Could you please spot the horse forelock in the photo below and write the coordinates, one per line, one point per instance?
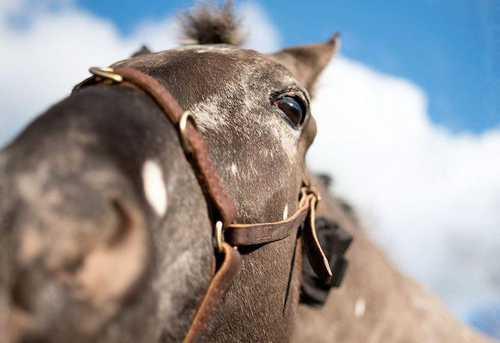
(209, 24)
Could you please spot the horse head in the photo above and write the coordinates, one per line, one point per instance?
(106, 232)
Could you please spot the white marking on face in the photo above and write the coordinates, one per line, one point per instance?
(286, 136)
(205, 49)
(360, 308)
(285, 212)
(234, 169)
(154, 187)
(207, 115)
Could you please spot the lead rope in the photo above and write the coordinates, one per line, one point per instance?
(227, 235)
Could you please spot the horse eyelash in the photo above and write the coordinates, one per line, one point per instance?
(292, 91)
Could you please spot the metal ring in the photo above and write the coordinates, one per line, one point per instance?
(219, 237)
(182, 128)
(106, 73)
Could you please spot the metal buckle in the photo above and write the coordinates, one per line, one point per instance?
(312, 190)
(219, 237)
(306, 191)
(182, 128)
(106, 73)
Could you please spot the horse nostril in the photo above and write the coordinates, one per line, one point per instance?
(115, 265)
(73, 265)
(18, 294)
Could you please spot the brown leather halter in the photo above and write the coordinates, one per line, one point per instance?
(228, 235)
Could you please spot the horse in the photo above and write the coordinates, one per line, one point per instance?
(108, 232)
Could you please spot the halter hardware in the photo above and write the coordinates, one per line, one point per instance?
(106, 73)
(219, 237)
(182, 129)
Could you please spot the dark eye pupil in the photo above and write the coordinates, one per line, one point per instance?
(293, 109)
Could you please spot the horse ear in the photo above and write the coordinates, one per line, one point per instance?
(335, 242)
(144, 50)
(307, 62)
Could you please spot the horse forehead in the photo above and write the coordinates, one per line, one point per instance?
(224, 53)
(209, 64)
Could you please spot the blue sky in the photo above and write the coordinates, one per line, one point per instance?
(446, 47)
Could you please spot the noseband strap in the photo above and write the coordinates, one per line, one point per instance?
(229, 235)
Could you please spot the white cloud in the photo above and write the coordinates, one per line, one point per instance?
(260, 33)
(430, 197)
(41, 63)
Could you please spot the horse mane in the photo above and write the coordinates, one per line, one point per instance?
(211, 24)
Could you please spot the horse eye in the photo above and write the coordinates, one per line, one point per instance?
(294, 109)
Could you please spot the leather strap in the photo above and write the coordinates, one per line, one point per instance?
(231, 261)
(254, 234)
(317, 258)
